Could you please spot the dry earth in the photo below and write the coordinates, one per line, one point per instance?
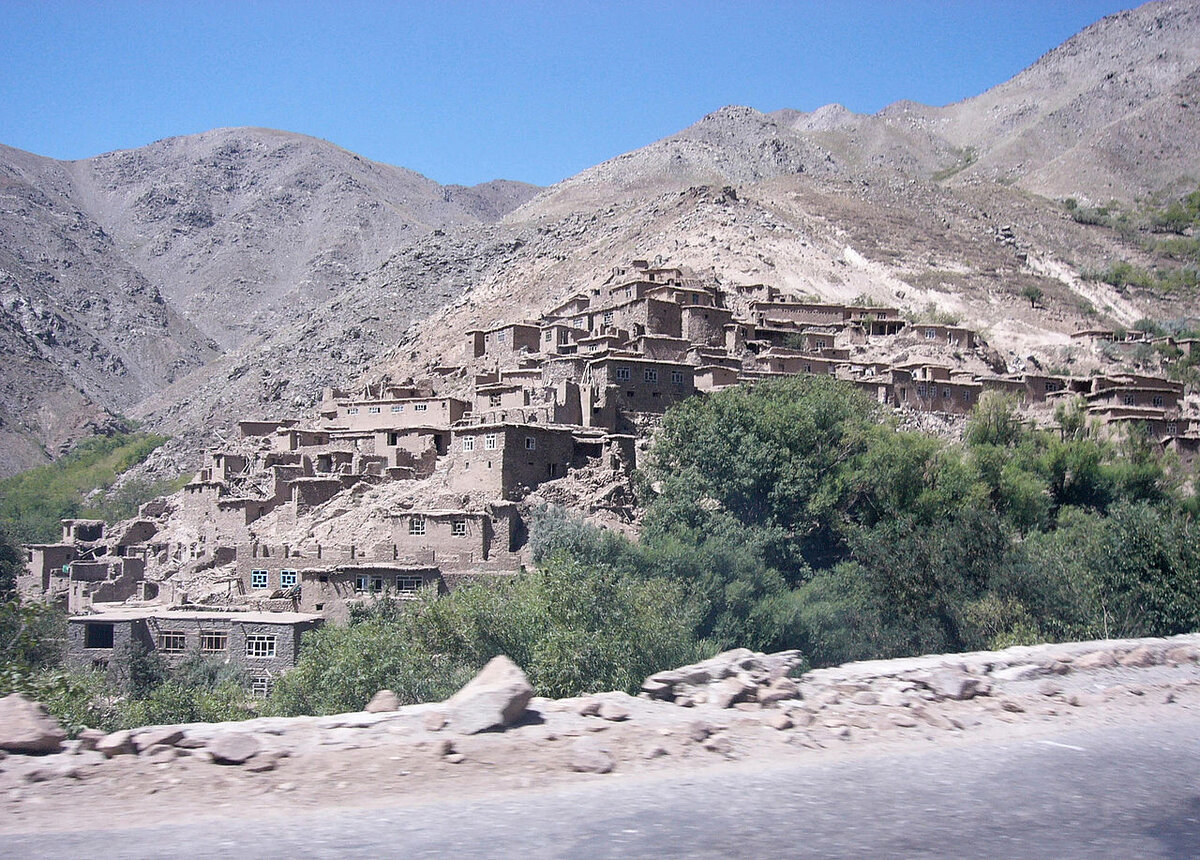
(409, 757)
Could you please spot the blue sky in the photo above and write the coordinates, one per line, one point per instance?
(471, 91)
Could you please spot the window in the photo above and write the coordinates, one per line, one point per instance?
(651, 375)
(489, 441)
(260, 686)
(608, 317)
(820, 343)
(946, 393)
(1128, 399)
(930, 334)
(396, 407)
(373, 410)
(259, 578)
(921, 390)
(530, 443)
(97, 636)
(353, 410)
(808, 368)
(287, 578)
(408, 584)
(260, 647)
(172, 642)
(677, 377)
(494, 400)
(549, 336)
(416, 525)
(468, 443)
(213, 641)
(458, 528)
(421, 407)
(1158, 400)
(966, 397)
(622, 373)
(1172, 429)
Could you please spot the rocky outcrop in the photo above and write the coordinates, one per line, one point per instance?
(740, 675)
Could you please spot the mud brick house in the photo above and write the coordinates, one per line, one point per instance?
(265, 644)
(507, 459)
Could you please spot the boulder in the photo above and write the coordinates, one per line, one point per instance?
(384, 700)
(1019, 672)
(725, 693)
(494, 698)
(957, 685)
(233, 747)
(779, 690)
(1095, 660)
(613, 712)
(157, 736)
(588, 757)
(117, 743)
(26, 726)
(1140, 658)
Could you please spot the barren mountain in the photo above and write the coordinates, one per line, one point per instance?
(310, 266)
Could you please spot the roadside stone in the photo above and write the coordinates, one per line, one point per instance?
(495, 698)
(892, 697)
(613, 712)
(588, 707)
(117, 743)
(698, 730)
(865, 697)
(1049, 688)
(588, 757)
(731, 690)
(654, 751)
(933, 718)
(233, 747)
(456, 758)
(841, 732)
(719, 744)
(1140, 658)
(748, 706)
(434, 721)
(160, 753)
(1020, 672)
(777, 720)
(1182, 654)
(27, 727)
(159, 736)
(262, 763)
(903, 721)
(956, 685)
(1012, 706)
(443, 748)
(779, 690)
(382, 702)
(88, 738)
(802, 718)
(861, 721)
(1095, 660)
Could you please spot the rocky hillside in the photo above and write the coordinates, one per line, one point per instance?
(120, 274)
(280, 264)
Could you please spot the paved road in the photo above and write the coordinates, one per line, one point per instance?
(1103, 792)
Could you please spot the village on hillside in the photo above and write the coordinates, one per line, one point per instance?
(408, 488)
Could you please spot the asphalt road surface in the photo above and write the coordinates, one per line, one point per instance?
(1111, 792)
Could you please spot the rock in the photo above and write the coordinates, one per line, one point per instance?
(456, 758)
(88, 738)
(494, 698)
(613, 712)
(957, 685)
(160, 753)
(443, 747)
(117, 743)
(748, 706)
(719, 744)
(233, 747)
(779, 690)
(1012, 706)
(434, 721)
(588, 707)
(262, 763)
(725, 693)
(1183, 654)
(902, 720)
(933, 718)
(1140, 658)
(777, 720)
(865, 697)
(383, 701)
(841, 732)
(1095, 660)
(26, 726)
(165, 736)
(655, 751)
(1020, 672)
(1049, 688)
(893, 697)
(698, 730)
(588, 757)
(656, 689)
(802, 718)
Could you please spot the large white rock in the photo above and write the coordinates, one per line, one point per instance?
(494, 698)
(26, 726)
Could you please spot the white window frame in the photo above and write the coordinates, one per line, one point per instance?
(288, 578)
(260, 646)
(209, 640)
(458, 528)
(468, 443)
(490, 441)
(374, 410)
(397, 407)
(353, 410)
(416, 525)
(421, 407)
(407, 584)
(260, 579)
